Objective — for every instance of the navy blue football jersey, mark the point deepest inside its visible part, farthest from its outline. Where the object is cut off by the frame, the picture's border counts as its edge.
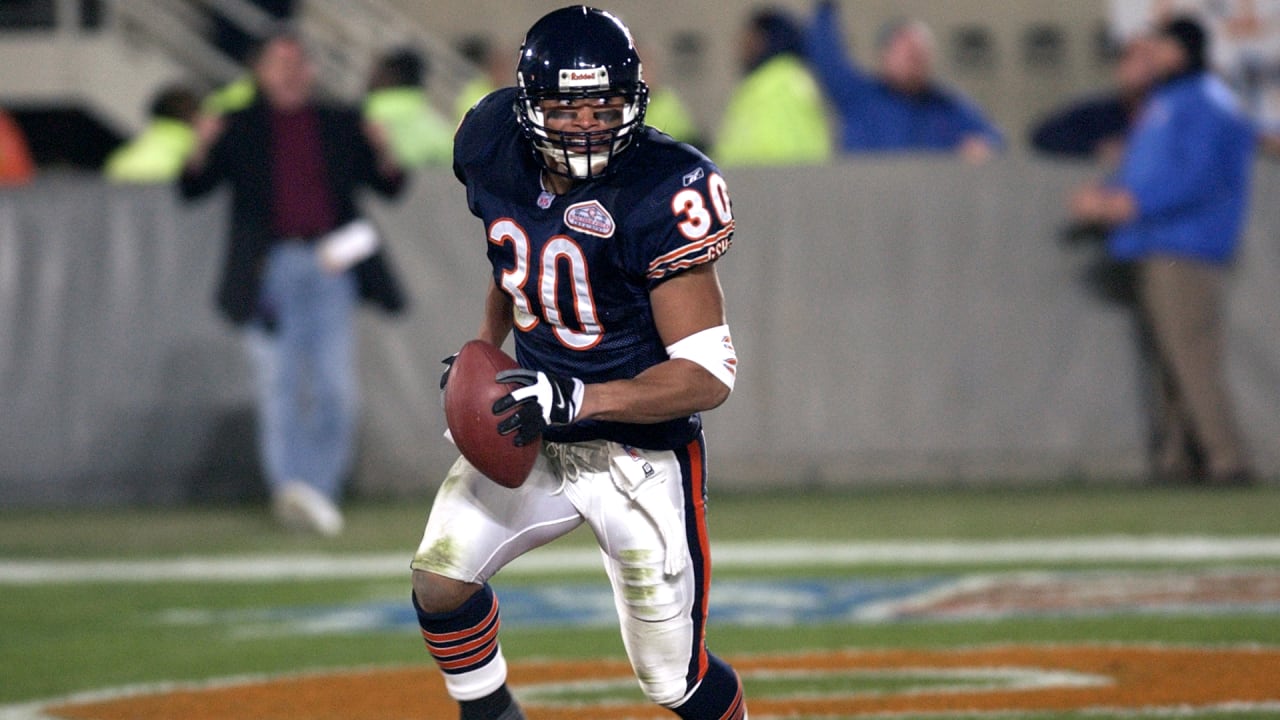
(579, 267)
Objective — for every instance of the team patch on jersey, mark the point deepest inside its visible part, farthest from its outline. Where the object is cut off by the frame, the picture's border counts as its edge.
(591, 218)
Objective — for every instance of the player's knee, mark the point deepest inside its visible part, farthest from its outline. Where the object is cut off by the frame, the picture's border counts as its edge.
(659, 630)
(438, 594)
(661, 666)
(660, 657)
(666, 692)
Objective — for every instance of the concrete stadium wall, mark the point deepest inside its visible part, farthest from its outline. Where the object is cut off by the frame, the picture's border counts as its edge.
(906, 321)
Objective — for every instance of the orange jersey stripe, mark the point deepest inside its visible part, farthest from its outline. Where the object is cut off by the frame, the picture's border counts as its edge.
(695, 245)
(656, 268)
(692, 247)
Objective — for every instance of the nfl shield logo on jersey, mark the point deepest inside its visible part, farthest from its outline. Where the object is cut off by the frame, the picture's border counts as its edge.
(590, 218)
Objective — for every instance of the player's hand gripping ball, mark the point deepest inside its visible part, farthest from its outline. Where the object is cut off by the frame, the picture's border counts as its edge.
(542, 401)
(469, 394)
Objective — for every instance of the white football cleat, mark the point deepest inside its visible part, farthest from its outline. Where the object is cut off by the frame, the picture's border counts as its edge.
(301, 507)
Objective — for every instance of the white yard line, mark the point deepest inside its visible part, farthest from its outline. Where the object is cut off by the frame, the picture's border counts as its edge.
(726, 555)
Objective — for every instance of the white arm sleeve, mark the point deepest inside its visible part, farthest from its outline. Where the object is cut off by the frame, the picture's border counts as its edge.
(712, 349)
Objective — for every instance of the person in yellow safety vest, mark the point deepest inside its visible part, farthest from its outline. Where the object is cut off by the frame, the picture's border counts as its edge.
(666, 111)
(497, 70)
(158, 153)
(419, 136)
(776, 116)
(232, 97)
(471, 93)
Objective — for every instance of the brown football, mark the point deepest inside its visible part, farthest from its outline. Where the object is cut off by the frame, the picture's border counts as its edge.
(468, 408)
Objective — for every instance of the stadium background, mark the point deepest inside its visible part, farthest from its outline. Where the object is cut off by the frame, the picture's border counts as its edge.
(1015, 58)
(932, 461)
(901, 319)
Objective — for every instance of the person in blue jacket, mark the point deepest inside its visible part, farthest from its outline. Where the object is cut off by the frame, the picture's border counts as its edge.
(1176, 208)
(901, 106)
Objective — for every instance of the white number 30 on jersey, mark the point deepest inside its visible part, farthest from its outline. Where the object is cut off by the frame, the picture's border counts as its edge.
(692, 206)
(562, 260)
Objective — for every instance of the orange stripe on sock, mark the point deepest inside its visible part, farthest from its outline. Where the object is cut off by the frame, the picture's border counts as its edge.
(463, 634)
(452, 651)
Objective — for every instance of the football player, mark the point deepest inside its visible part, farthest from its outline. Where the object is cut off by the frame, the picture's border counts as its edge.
(602, 234)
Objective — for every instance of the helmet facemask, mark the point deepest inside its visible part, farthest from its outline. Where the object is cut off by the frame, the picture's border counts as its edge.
(582, 155)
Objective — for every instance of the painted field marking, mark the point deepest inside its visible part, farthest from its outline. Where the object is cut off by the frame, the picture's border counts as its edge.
(905, 681)
(785, 602)
(1136, 680)
(727, 555)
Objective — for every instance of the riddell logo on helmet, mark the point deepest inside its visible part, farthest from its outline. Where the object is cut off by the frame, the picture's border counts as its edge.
(574, 79)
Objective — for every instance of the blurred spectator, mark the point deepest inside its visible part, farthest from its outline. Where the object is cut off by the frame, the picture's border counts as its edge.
(776, 115)
(497, 70)
(235, 42)
(397, 102)
(298, 258)
(236, 95)
(1096, 127)
(160, 151)
(1177, 208)
(901, 106)
(666, 111)
(16, 167)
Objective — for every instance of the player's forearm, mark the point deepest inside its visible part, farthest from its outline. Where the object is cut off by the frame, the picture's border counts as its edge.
(497, 321)
(669, 390)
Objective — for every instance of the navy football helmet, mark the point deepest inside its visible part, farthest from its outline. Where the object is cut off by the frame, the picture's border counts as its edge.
(573, 53)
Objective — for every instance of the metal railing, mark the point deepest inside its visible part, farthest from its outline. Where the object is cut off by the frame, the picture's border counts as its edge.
(344, 36)
(131, 48)
(350, 34)
(179, 30)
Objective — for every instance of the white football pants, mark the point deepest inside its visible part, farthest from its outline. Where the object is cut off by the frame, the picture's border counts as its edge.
(647, 511)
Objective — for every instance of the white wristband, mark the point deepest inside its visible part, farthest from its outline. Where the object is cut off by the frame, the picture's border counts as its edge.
(712, 349)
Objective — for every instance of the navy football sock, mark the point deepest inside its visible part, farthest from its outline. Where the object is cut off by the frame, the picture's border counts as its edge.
(719, 696)
(498, 705)
(464, 644)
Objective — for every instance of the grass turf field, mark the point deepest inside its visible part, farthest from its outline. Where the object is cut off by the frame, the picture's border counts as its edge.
(77, 631)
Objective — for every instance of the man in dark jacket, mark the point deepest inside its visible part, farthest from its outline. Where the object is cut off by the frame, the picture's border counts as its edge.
(299, 259)
(1096, 127)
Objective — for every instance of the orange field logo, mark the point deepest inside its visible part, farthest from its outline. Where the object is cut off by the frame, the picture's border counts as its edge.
(846, 684)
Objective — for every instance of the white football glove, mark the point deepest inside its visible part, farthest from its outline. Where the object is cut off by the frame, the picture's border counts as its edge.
(543, 400)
